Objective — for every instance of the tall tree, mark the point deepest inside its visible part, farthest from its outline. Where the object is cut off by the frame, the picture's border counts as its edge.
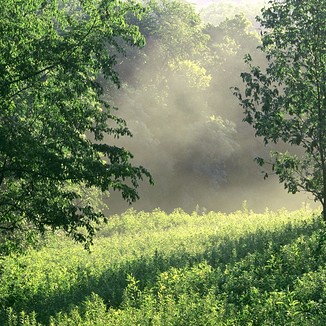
(286, 103)
(52, 114)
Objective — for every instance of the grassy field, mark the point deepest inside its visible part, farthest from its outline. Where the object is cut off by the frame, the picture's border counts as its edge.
(175, 269)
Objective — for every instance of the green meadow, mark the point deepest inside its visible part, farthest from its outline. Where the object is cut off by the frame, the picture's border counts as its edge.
(175, 269)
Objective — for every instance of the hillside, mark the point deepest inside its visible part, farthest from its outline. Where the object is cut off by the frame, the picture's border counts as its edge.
(178, 269)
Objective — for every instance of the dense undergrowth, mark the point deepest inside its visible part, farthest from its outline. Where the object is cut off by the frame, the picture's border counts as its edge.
(175, 269)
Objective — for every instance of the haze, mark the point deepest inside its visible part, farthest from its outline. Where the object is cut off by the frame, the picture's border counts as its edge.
(187, 125)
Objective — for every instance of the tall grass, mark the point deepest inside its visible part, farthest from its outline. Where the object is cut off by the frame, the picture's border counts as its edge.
(175, 269)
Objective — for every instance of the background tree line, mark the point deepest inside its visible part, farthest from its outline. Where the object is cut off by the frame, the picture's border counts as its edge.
(187, 125)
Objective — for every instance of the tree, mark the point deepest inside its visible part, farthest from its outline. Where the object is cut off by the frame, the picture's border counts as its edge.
(286, 102)
(217, 11)
(53, 116)
(164, 100)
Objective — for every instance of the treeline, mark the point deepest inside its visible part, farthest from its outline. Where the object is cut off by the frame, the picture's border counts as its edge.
(187, 125)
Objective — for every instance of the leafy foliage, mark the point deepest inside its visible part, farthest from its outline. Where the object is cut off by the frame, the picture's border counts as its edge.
(177, 101)
(215, 12)
(53, 117)
(156, 268)
(287, 102)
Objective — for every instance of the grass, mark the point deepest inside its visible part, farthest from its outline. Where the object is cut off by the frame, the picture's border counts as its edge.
(175, 269)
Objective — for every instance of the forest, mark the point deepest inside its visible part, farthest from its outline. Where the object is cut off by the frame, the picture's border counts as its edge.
(162, 162)
(187, 125)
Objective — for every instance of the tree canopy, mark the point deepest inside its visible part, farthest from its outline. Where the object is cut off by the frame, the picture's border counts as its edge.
(53, 116)
(176, 98)
(286, 102)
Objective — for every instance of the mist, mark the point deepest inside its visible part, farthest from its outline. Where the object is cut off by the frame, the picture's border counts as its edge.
(186, 124)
